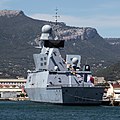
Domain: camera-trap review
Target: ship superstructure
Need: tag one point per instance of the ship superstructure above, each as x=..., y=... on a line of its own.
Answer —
x=57, y=80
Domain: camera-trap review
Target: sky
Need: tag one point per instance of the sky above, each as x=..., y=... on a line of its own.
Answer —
x=104, y=15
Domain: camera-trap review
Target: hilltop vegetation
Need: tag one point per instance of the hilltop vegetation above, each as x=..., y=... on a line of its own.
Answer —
x=110, y=73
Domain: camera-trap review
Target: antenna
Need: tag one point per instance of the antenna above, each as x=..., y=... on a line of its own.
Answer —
x=56, y=23
x=56, y=16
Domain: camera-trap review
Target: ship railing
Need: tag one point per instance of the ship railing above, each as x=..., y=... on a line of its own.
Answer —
x=72, y=85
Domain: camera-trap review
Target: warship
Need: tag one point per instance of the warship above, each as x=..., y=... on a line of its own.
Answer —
x=60, y=80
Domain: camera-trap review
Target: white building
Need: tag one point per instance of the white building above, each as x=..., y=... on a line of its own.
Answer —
x=11, y=88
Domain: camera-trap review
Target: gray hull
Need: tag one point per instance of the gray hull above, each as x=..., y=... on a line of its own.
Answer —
x=67, y=95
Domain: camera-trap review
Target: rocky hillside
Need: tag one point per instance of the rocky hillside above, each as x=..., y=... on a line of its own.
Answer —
x=19, y=35
x=113, y=41
x=111, y=72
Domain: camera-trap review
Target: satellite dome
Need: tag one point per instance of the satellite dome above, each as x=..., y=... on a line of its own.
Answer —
x=75, y=60
x=46, y=29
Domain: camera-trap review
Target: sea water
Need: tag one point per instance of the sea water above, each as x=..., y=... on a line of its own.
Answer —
x=25, y=110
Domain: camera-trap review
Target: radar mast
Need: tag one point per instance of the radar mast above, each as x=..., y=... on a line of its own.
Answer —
x=56, y=24
x=56, y=16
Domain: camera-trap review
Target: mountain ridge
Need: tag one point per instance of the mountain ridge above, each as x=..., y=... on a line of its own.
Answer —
x=19, y=35
x=11, y=13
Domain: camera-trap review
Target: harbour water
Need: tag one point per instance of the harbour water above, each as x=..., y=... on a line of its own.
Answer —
x=25, y=110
